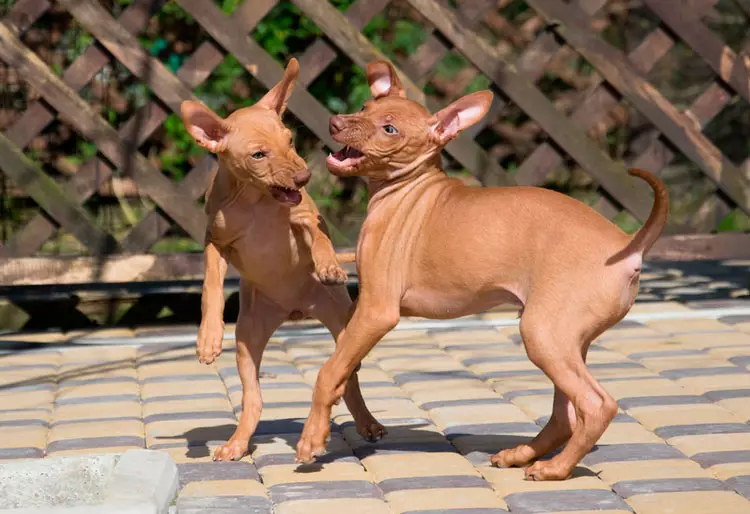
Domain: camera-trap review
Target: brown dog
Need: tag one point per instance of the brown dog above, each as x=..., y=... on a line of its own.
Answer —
x=263, y=222
x=433, y=247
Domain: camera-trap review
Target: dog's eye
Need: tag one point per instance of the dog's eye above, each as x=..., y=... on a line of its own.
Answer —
x=390, y=129
x=258, y=155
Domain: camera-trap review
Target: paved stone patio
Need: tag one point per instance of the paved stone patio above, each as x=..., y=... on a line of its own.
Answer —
x=451, y=394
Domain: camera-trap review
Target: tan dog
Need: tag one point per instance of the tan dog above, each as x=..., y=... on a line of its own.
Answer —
x=433, y=247
x=263, y=223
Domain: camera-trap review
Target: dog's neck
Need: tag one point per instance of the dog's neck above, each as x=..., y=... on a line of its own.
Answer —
x=240, y=190
x=423, y=170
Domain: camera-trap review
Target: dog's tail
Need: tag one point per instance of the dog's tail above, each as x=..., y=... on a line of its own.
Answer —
x=645, y=238
x=346, y=257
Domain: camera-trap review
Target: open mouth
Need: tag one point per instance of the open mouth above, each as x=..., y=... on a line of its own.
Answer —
x=345, y=159
x=286, y=195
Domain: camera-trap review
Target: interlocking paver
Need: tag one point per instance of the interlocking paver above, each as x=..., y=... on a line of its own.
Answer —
x=450, y=397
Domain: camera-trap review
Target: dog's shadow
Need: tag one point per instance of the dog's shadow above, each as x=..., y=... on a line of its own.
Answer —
x=477, y=448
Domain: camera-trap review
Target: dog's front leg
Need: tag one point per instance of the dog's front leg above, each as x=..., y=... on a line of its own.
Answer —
x=327, y=268
x=370, y=322
x=211, y=332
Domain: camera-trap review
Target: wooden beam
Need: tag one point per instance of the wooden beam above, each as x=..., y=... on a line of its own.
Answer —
x=50, y=197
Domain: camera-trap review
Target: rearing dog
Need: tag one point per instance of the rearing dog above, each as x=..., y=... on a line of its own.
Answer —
x=263, y=222
x=434, y=247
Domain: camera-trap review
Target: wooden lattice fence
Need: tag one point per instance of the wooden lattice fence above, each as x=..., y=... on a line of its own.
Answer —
x=568, y=131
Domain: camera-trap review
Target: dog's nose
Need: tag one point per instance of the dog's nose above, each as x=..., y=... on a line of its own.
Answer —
x=336, y=125
x=302, y=177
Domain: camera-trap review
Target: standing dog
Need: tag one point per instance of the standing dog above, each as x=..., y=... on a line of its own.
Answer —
x=263, y=223
x=433, y=247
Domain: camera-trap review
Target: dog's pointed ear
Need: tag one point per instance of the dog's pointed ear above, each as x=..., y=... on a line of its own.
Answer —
x=207, y=128
x=460, y=115
x=278, y=97
x=383, y=80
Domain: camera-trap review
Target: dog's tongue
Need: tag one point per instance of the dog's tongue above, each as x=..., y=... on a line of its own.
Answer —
x=289, y=196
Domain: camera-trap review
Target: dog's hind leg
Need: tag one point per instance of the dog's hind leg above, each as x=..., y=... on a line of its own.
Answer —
x=258, y=320
x=558, y=349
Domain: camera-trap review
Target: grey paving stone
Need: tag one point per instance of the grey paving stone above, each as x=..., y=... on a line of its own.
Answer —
x=200, y=471
x=95, y=442
x=480, y=510
x=741, y=484
x=286, y=405
x=385, y=448
x=21, y=453
x=499, y=358
x=281, y=426
x=282, y=385
x=224, y=505
x=24, y=423
x=630, y=379
x=727, y=394
x=529, y=392
x=478, y=458
x=419, y=355
x=513, y=374
x=735, y=319
x=26, y=388
x=97, y=381
x=93, y=420
x=324, y=490
x=629, y=488
x=627, y=323
x=561, y=501
x=466, y=402
x=433, y=482
x=169, y=416
x=708, y=459
x=98, y=399
x=742, y=360
x=197, y=377
x=373, y=384
x=648, y=401
x=702, y=429
x=425, y=376
x=181, y=397
x=615, y=365
x=631, y=452
x=275, y=459
x=620, y=417
x=701, y=372
x=28, y=367
x=665, y=353
x=491, y=429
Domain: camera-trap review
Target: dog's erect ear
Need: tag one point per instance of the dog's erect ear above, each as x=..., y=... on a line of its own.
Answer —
x=460, y=115
x=383, y=80
x=277, y=98
x=206, y=127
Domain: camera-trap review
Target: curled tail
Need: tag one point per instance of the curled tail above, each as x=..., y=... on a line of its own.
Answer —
x=645, y=238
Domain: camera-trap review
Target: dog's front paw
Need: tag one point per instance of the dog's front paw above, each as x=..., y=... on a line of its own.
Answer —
x=208, y=347
x=331, y=274
x=231, y=450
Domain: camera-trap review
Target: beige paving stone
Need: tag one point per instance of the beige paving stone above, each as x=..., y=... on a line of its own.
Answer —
x=196, y=405
x=469, y=393
x=677, y=326
x=290, y=473
x=738, y=406
x=184, y=455
x=80, y=372
x=716, y=382
x=383, y=467
x=26, y=399
x=224, y=488
x=176, y=431
x=692, y=444
x=683, y=361
x=442, y=383
x=625, y=433
x=427, y=361
x=96, y=429
x=96, y=410
x=534, y=406
x=734, y=338
x=41, y=337
x=183, y=387
x=469, y=415
x=89, y=390
x=94, y=451
x=521, y=384
x=645, y=387
x=405, y=335
x=164, y=369
x=612, y=472
x=296, y=394
x=629, y=345
x=112, y=354
x=38, y=413
x=732, y=469
x=647, y=307
x=358, y=506
x=666, y=415
x=285, y=413
x=465, y=336
x=511, y=480
x=22, y=437
x=436, y=499
x=489, y=367
x=30, y=358
x=696, y=502
x=99, y=333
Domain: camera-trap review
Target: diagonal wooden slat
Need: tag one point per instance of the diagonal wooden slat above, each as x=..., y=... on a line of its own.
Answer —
x=361, y=51
x=633, y=195
x=86, y=121
x=644, y=97
x=24, y=13
x=732, y=69
x=45, y=192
